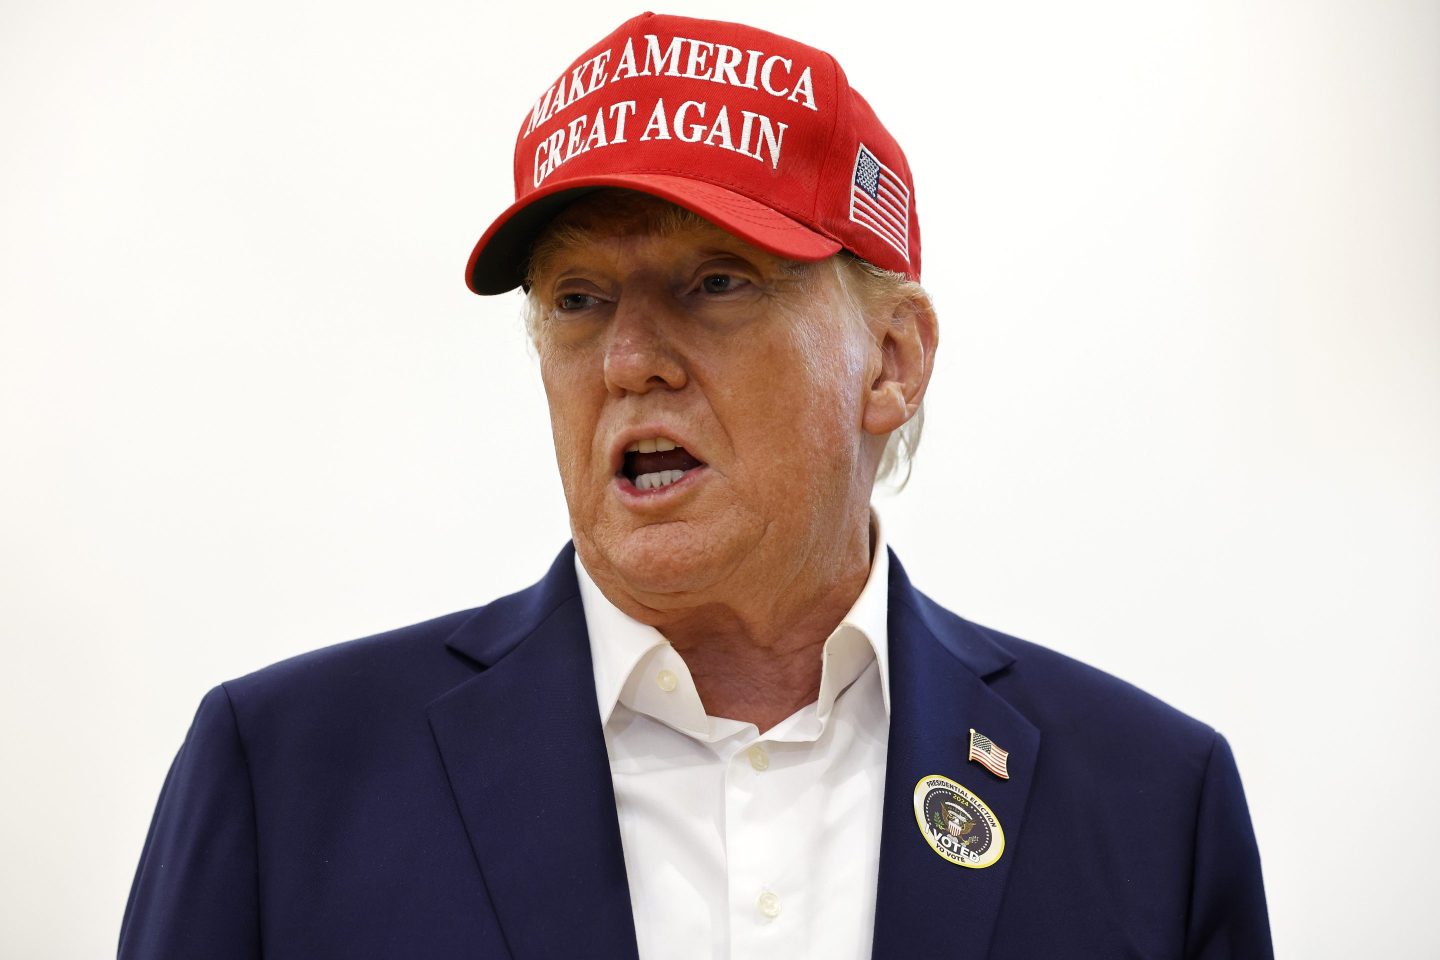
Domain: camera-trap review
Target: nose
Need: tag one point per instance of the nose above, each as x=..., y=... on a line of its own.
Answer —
x=640, y=353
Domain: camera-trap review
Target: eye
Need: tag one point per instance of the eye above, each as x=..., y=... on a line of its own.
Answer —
x=575, y=301
x=721, y=283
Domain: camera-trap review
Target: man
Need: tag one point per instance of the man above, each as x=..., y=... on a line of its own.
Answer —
x=724, y=724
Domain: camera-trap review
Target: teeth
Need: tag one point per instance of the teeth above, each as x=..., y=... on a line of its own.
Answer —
x=662, y=478
x=656, y=445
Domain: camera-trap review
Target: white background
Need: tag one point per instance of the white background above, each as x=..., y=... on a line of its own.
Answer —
x=1185, y=423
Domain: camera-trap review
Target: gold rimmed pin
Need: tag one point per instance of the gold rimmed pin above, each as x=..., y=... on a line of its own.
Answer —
x=957, y=824
x=984, y=751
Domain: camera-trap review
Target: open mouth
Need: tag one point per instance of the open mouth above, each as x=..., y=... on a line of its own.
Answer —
x=659, y=462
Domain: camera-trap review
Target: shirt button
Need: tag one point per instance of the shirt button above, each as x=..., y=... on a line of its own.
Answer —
x=760, y=760
x=769, y=905
x=666, y=680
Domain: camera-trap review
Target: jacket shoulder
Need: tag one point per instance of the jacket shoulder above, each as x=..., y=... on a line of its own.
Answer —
x=1089, y=691
x=1052, y=689
x=1107, y=722
x=413, y=657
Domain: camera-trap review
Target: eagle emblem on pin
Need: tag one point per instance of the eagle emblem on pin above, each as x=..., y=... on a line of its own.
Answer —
x=956, y=824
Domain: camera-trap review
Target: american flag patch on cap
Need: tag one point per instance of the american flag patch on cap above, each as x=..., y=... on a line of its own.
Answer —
x=880, y=201
x=989, y=756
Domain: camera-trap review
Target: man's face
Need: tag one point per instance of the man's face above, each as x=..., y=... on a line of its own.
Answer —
x=653, y=330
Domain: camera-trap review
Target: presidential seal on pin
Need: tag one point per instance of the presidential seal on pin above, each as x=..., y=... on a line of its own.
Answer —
x=957, y=824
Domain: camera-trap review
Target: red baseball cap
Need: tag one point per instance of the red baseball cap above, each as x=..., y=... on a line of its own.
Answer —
x=758, y=134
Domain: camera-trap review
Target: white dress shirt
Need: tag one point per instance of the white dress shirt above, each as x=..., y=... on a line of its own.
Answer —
x=738, y=844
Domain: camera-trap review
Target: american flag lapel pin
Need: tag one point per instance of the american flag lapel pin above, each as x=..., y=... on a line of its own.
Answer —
x=984, y=751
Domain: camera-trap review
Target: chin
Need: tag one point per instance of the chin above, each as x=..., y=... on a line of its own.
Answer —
x=649, y=562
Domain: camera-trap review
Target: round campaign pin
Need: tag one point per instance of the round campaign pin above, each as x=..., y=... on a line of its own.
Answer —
x=957, y=824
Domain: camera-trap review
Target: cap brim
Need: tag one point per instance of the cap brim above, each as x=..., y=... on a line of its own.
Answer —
x=499, y=260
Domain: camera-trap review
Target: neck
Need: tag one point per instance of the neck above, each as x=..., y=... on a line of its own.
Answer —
x=760, y=660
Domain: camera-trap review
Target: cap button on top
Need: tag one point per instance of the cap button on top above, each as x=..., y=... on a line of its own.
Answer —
x=759, y=759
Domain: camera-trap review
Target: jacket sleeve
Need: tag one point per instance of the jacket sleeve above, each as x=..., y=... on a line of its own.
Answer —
x=196, y=889
x=1228, y=919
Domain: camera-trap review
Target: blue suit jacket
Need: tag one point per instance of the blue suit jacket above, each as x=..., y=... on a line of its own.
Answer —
x=443, y=791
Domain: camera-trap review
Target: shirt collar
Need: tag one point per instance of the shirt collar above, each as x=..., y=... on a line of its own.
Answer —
x=620, y=645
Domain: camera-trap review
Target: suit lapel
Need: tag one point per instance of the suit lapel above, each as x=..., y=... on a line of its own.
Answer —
x=926, y=905
x=525, y=755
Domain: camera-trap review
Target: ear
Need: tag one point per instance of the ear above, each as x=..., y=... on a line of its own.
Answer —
x=905, y=338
